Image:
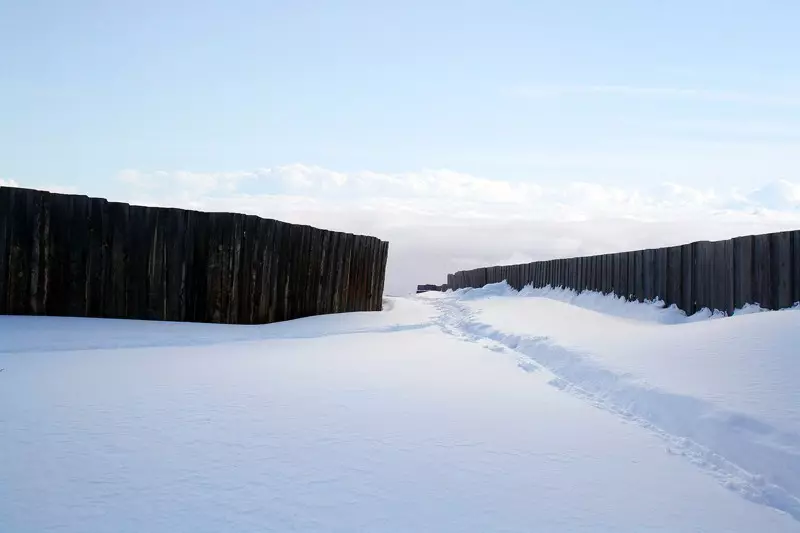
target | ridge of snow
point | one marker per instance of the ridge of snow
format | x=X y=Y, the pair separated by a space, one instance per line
x=606 y=303
x=747 y=444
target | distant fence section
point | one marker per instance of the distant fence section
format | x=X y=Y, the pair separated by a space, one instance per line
x=72 y=255
x=427 y=288
x=722 y=275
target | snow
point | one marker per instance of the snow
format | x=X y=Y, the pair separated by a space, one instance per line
x=418 y=418
x=725 y=392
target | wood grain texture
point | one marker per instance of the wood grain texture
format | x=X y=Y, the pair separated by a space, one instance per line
x=71 y=255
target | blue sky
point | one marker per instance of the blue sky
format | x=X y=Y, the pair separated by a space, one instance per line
x=694 y=91
x=258 y=105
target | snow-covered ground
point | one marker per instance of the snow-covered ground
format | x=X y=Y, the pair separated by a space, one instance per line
x=468 y=411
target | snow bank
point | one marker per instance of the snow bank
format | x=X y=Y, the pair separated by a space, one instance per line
x=363 y=422
x=609 y=304
x=723 y=392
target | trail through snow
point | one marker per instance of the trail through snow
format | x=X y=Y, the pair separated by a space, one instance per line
x=391 y=422
x=723 y=393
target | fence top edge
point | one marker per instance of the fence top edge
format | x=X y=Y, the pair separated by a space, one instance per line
x=84 y=197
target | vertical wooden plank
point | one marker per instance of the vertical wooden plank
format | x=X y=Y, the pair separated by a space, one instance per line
x=330 y=287
x=649 y=274
x=248 y=271
x=47 y=247
x=103 y=220
x=154 y=279
x=378 y=302
x=555 y=274
x=265 y=274
x=95 y=282
x=639 y=279
x=674 y=293
x=295 y=234
x=703 y=275
x=728 y=289
x=20 y=240
x=589 y=273
x=632 y=276
x=622 y=268
x=384 y=259
x=37 y=252
x=312 y=263
x=608 y=273
x=348 y=271
x=212 y=304
x=5 y=224
x=688 y=296
x=721 y=282
x=542 y=266
x=355 y=275
x=199 y=265
x=322 y=271
x=781 y=250
x=134 y=288
x=173 y=222
x=279 y=267
x=572 y=281
x=762 y=268
x=79 y=251
x=58 y=256
x=742 y=271
x=619 y=274
x=237 y=269
x=795 y=266
x=660 y=281
x=116 y=292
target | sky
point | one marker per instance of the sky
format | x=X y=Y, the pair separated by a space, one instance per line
x=465 y=133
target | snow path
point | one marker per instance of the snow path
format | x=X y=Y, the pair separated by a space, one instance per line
x=723 y=393
x=362 y=422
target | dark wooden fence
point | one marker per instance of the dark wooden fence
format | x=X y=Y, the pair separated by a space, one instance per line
x=71 y=255
x=722 y=275
x=427 y=288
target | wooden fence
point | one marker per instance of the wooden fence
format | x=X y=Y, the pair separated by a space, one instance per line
x=722 y=275
x=71 y=255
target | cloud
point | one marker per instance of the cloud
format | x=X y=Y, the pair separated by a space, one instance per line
x=632 y=91
x=8 y=183
x=439 y=220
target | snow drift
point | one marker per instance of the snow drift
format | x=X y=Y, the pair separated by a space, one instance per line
x=723 y=392
x=417 y=418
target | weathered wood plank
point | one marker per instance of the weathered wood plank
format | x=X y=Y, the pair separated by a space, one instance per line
x=688 y=295
x=631 y=276
x=721 y=279
x=742 y=271
x=19 y=243
x=781 y=250
x=674 y=293
x=660 y=280
x=5 y=225
x=762 y=272
x=795 y=267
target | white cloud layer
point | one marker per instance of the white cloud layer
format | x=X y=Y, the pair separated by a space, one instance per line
x=440 y=221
